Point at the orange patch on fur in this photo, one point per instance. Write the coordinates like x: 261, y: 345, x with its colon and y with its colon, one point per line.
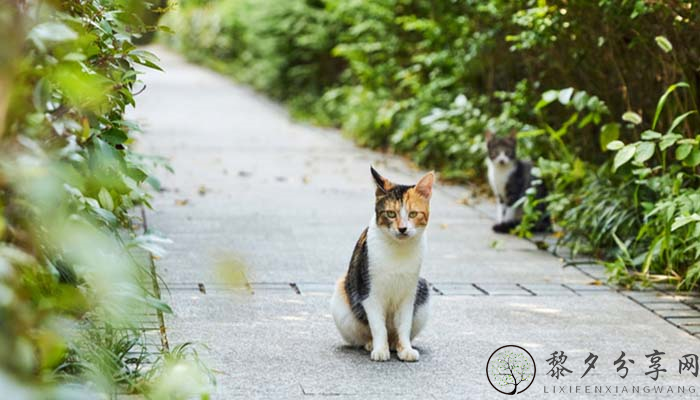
x: 414, y: 201
x: 343, y: 293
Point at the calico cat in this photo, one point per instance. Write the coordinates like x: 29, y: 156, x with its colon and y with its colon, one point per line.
x: 381, y: 303
x: 510, y: 178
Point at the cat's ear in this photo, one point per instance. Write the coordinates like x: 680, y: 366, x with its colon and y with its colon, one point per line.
x: 424, y: 187
x: 513, y: 134
x: 488, y: 135
x: 383, y: 184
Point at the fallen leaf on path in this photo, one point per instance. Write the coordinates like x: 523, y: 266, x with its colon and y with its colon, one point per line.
x: 443, y: 226
x: 595, y: 283
x: 202, y: 190
x: 244, y: 174
x: 181, y: 202
x: 306, y: 179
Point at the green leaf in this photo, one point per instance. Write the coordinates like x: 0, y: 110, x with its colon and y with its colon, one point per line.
x: 687, y: 141
x: 683, y: 151
x: 158, y: 304
x: 615, y: 145
x: 678, y: 120
x: 669, y: 140
x: 694, y: 159
x: 662, y: 101
x: 664, y: 43
x: 633, y: 117
x: 114, y: 136
x: 547, y: 97
x: 51, y: 32
x: 565, y: 95
x: 105, y: 199
x: 644, y: 151
x: 530, y: 134
x: 609, y: 133
x: 680, y: 222
x: 650, y: 135
x: 642, y: 172
x: 623, y: 156
x: 151, y: 243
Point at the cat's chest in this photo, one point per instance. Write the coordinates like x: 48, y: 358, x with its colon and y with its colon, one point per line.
x: 394, y: 271
x: 498, y: 179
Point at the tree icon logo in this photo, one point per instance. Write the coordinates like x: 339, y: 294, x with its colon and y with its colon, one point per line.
x: 511, y: 369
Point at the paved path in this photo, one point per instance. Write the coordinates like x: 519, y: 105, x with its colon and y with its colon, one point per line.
x: 290, y: 200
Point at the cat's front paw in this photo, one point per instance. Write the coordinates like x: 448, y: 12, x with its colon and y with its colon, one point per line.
x: 408, y: 354
x: 380, y: 354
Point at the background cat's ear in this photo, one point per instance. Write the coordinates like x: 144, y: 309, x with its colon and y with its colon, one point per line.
x: 383, y: 184
x: 488, y: 135
x: 513, y: 133
x: 424, y: 187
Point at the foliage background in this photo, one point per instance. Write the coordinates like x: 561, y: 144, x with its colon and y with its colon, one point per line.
x: 427, y: 78
x: 76, y: 287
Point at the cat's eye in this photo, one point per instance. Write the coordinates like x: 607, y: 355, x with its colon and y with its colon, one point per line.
x: 391, y: 214
x: 412, y: 214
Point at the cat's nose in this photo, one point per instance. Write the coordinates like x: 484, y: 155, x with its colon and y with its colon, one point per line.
x: 402, y: 230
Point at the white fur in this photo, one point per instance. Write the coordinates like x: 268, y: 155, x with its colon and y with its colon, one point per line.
x: 498, y: 174
x: 394, y: 265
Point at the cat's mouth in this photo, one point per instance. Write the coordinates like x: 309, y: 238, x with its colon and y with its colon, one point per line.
x: 402, y: 235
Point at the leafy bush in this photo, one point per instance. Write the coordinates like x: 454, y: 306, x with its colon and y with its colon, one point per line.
x: 74, y: 271
x: 663, y: 167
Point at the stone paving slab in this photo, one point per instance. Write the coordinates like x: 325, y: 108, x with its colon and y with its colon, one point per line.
x: 268, y: 346
x: 290, y: 200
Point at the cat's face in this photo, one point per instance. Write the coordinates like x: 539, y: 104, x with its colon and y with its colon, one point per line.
x: 502, y: 150
x: 402, y: 211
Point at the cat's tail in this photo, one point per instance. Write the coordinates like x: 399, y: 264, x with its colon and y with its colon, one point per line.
x: 544, y: 225
x: 506, y: 227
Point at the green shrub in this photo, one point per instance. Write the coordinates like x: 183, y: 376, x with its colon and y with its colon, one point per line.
x: 74, y: 271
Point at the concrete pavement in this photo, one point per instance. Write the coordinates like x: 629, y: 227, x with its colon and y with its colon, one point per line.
x: 290, y: 200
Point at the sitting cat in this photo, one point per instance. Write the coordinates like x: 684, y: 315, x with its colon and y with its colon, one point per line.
x: 510, y: 178
x: 381, y: 303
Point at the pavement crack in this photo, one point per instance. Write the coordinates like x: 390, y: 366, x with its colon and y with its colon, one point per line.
x: 436, y: 290
x: 526, y: 289
x: 480, y: 289
x: 294, y: 287
x: 565, y: 286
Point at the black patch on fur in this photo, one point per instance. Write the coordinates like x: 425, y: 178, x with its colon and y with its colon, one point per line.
x: 518, y: 183
x: 357, y: 278
x: 422, y: 294
x: 508, y: 145
x: 379, y: 180
x: 394, y: 194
